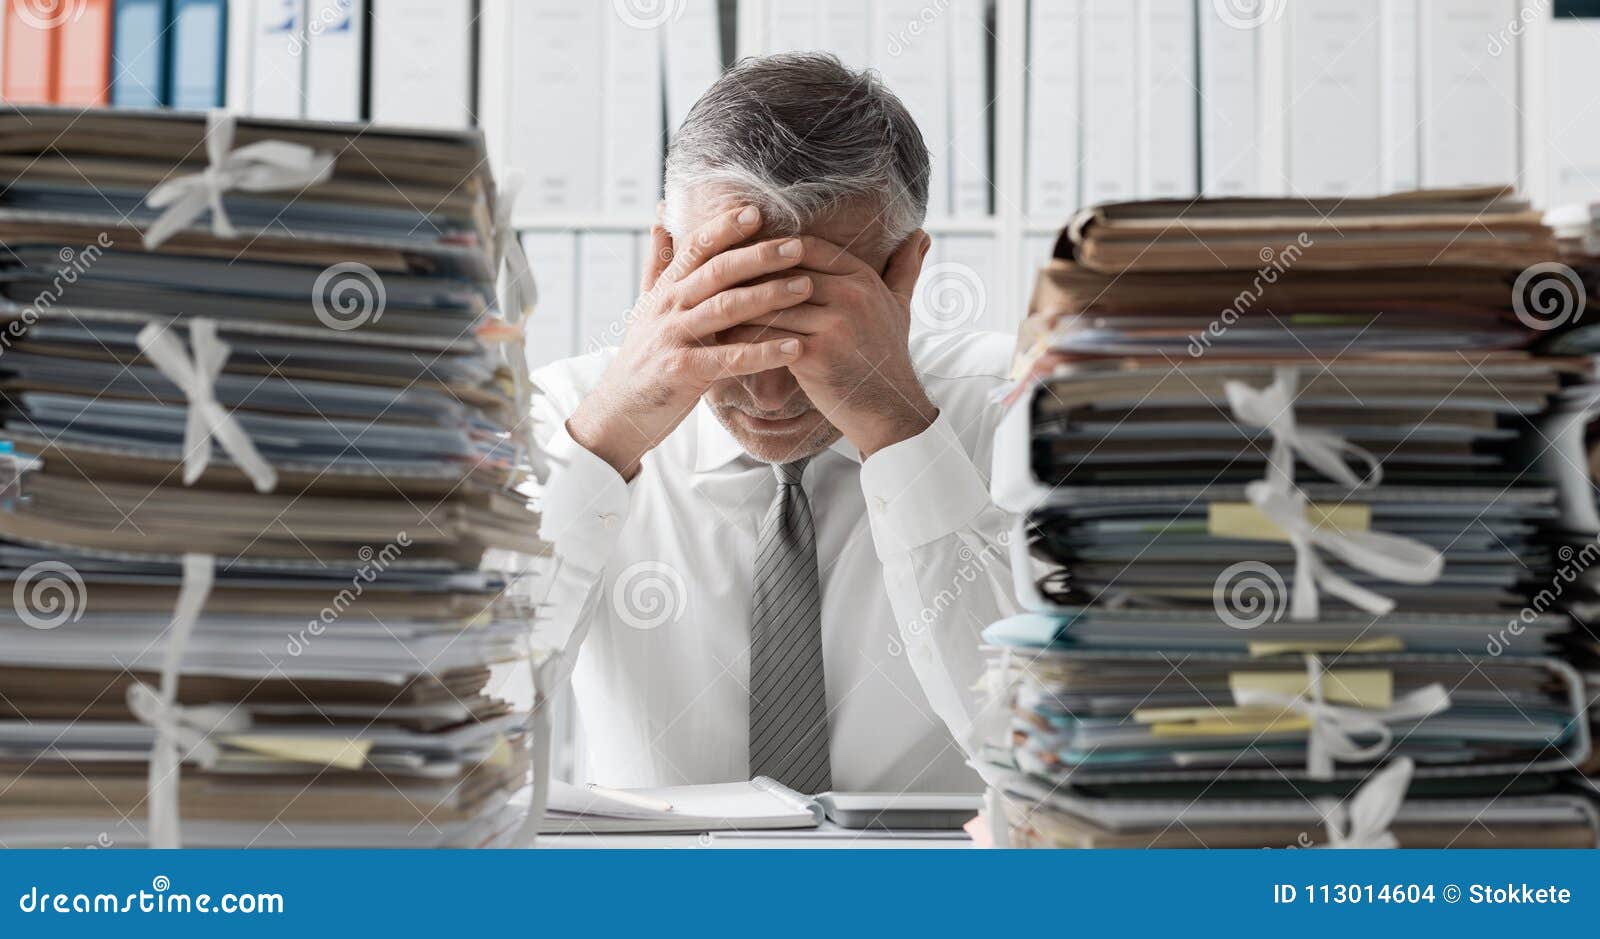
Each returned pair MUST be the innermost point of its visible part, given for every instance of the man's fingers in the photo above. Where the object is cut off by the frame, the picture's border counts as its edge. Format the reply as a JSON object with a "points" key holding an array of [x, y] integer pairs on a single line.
{"points": [[802, 320], [740, 304], [732, 268], [829, 258], [660, 257], [906, 264], [742, 358], [737, 225]]}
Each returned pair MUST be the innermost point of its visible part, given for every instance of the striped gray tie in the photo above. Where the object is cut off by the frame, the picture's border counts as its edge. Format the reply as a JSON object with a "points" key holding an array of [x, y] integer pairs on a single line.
{"points": [[788, 699]]}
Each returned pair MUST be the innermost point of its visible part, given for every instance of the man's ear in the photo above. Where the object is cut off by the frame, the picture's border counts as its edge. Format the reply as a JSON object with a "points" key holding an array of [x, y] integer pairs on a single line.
{"points": [[906, 264]]}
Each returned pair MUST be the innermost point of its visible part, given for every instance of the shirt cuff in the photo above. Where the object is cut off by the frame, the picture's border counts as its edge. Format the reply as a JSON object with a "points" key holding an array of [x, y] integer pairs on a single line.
{"points": [[922, 489], [585, 502]]}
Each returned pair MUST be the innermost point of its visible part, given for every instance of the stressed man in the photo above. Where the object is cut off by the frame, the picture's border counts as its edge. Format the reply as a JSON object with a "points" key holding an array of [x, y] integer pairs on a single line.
{"points": [[773, 540]]}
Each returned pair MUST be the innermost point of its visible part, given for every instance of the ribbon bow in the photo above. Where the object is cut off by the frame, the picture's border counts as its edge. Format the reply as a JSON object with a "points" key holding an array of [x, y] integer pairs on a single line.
{"points": [[1272, 408], [521, 290], [1391, 557], [259, 167], [177, 726], [207, 418], [1334, 727], [1364, 822]]}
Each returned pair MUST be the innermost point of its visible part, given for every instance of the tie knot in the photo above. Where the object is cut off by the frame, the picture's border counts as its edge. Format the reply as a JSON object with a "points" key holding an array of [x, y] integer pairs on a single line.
{"points": [[789, 473]]}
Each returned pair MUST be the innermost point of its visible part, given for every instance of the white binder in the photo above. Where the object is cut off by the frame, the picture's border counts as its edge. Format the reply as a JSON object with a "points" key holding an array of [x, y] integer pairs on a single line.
{"points": [[692, 53], [1167, 102], [422, 62], [607, 278], [1052, 128], [912, 52], [556, 110], [1469, 93], [277, 60], [1110, 101], [552, 330], [1230, 101], [632, 132], [335, 62], [1401, 133], [1333, 95], [969, 109]]}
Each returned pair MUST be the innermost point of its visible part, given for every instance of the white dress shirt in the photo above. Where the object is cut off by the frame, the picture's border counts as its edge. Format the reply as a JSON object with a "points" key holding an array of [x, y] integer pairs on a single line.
{"points": [[654, 578]]}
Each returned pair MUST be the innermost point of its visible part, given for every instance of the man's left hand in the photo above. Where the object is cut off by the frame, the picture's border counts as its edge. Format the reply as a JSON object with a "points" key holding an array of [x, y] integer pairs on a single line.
{"points": [[855, 364]]}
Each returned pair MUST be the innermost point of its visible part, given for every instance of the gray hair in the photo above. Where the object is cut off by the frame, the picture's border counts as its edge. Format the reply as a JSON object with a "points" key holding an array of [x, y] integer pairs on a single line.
{"points": [[801, 135]]}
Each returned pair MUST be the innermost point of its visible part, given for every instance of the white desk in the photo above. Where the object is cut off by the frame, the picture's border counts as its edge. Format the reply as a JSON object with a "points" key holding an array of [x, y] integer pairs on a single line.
{"points": [[828, 836]]}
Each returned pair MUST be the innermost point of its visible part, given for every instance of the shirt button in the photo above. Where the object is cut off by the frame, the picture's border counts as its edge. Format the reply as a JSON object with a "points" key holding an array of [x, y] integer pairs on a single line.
{"points": [[880, 503]]}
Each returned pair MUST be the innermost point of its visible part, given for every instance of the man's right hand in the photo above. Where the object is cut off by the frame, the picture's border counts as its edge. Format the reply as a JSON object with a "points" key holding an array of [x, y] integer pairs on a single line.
{"points": [[669, 356]]}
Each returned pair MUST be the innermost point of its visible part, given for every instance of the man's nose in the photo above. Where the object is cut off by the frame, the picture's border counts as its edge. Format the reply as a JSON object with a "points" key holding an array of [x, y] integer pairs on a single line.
{"points": [[771, 390]]}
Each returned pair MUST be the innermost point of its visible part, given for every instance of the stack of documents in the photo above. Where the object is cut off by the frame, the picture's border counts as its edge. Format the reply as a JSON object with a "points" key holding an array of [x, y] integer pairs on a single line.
{"points": [[259, 469], [1278, 508]]}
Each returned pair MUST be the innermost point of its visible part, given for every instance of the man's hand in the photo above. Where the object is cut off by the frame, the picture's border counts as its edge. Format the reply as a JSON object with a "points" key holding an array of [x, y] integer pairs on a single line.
{"points": [[856, 366], [670, 354]]}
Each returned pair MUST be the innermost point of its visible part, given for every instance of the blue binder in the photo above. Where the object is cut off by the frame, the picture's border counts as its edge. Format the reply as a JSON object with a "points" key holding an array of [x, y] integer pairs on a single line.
{"points": [[198, 61], [140, 46]]}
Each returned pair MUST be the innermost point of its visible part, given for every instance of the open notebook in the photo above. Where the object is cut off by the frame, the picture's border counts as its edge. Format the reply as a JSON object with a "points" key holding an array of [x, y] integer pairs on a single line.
{"points": [[761, 804]]}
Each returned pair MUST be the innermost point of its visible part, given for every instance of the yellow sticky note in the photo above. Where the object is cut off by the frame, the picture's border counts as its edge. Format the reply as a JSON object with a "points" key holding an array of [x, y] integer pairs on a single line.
{"points": [[1360, 687], [1302, 646], [1227, 726], [1243, 520], [500, 756], [1203, 712], [319, 751]]}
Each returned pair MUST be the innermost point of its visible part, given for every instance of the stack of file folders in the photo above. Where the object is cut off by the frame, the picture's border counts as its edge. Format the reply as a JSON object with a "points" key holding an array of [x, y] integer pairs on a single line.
{"points": [[1270, 459], [1565, 295], [261, 422]]}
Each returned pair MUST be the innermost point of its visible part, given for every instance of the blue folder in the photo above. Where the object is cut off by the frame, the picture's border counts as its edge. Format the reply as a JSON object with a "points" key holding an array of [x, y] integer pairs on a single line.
{"points": [[197, 63], [140, 47]]}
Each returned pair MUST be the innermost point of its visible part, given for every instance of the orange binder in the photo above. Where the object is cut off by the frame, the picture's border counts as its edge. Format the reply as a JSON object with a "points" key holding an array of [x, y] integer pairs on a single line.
{"points": [[30, 54], [83, 61]]}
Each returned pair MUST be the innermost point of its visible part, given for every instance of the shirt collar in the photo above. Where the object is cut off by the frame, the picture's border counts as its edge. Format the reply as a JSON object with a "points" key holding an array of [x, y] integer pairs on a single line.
{"points": [[715, 447]]}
